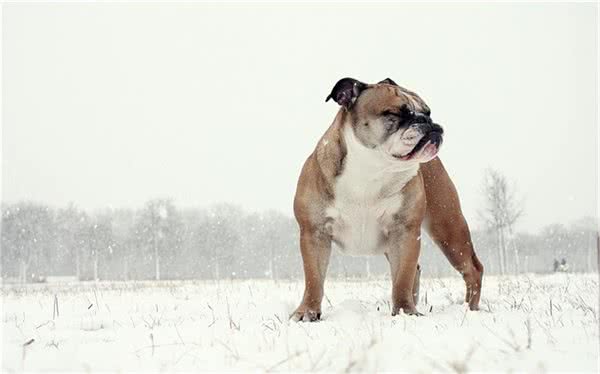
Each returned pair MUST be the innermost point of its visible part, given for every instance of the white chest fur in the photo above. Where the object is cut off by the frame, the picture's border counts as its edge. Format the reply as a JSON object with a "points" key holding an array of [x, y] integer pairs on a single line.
{"points": [[366, 196]]}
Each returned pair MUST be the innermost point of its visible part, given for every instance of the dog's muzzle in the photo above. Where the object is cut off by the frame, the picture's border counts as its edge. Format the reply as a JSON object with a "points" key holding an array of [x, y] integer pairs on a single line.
{"points": [[423, 137]]}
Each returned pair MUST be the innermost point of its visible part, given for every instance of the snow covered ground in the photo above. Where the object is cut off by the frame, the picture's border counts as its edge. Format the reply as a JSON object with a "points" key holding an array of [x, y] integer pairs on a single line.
{"points": [[527, 323]]}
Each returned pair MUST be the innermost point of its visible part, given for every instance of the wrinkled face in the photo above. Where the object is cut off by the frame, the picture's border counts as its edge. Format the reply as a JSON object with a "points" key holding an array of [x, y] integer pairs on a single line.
{"points": [[392, 119]]}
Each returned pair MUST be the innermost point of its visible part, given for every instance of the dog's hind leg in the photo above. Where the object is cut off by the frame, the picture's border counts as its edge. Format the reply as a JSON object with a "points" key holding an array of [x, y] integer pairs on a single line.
{"points": [[446, 225]]}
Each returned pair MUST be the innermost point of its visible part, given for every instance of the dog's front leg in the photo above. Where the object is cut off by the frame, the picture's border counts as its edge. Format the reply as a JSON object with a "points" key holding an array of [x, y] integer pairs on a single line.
{"points": [[403, 257], [316, 250]]}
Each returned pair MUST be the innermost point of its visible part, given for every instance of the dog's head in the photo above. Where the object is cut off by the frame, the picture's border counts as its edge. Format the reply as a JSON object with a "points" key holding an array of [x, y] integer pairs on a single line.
{"points": [[390, 118]]}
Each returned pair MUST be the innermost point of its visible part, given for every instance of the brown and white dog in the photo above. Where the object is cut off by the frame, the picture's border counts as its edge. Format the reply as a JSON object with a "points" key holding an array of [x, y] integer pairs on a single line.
{"points": [[370, 183]]}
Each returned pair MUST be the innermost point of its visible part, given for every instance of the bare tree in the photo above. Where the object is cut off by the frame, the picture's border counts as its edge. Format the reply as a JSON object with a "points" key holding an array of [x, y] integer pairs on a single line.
{"points": [[26, 234], [157, 227], [71, 235], [223, 237], [100, 240], [500, 213]]}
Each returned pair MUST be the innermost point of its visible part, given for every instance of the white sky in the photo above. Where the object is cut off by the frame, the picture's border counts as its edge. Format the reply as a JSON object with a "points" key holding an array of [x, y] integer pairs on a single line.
{"points": [[112, 104]]}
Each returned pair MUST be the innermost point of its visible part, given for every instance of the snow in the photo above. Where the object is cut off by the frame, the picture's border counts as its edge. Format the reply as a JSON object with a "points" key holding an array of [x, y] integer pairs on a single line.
{"points": [[534, 323]]}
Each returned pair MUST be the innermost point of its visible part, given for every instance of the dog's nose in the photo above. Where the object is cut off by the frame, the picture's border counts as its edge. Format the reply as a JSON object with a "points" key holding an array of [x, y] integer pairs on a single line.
{"points": [[419, 117]]}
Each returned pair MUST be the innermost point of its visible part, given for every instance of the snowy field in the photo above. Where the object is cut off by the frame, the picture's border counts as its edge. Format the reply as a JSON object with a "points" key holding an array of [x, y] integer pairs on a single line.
{"points": [[528, 323]]}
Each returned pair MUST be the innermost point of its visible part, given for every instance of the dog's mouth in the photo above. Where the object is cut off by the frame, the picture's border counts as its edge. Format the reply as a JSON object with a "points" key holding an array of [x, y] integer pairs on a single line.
{"points": [[421, 141], [426, 151]]}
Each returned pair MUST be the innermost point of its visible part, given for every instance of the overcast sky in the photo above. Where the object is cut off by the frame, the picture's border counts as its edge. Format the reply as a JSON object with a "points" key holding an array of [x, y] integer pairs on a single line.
{"points": [[113, 104]]}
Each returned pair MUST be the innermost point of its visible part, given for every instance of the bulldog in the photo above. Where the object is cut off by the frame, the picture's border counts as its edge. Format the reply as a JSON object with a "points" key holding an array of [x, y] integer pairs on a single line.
{"points": [[372, 181]]}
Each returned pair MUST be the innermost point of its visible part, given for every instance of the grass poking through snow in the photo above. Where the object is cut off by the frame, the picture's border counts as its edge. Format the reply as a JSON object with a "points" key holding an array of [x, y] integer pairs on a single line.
{"points": [[527, 323]]}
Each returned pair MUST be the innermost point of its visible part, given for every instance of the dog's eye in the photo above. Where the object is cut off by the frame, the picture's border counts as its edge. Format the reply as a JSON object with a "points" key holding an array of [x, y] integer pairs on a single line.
{"points": [[387, 113], [366, 124]]}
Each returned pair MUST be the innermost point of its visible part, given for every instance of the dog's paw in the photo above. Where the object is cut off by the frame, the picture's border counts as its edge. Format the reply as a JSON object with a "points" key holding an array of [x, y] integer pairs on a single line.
{"points": [[303, 314], [409, 310]]}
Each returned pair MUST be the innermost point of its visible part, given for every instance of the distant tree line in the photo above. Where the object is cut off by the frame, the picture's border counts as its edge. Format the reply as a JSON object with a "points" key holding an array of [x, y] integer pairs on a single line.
{"points": [[158, 241], [575, 246], [161, 241]]}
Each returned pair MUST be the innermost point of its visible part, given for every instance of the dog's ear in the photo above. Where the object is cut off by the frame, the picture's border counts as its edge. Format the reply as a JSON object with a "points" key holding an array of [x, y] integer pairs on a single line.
{"points": [[346, 91], [389, 81]]}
